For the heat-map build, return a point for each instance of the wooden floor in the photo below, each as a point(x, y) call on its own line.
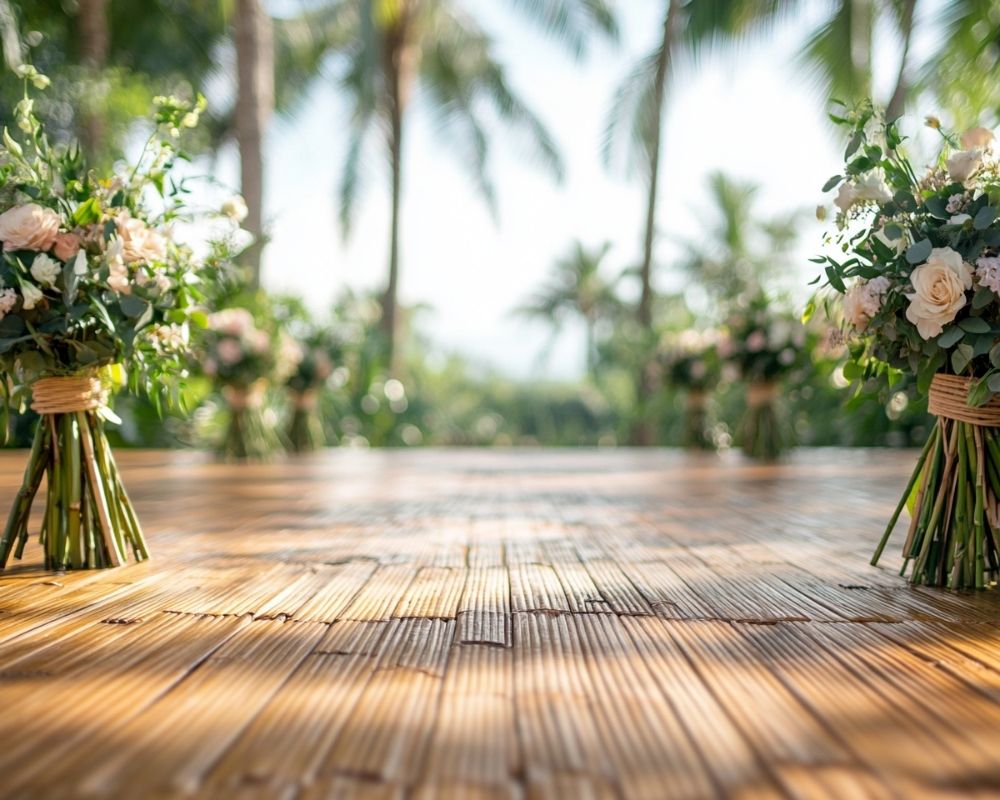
point(470, 624)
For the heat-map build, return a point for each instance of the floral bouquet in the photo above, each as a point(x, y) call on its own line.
point(317, 352)
point(918, 264)
point(93, 292)
point(763, 345)
point(241, 358)
point(690, 362)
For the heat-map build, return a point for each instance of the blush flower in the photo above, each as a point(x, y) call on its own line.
point(939, 288)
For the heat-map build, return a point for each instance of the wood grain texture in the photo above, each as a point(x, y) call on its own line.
point(510, 625)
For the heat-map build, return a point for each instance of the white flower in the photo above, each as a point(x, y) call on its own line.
point(45, 270)
point(959, 219)
point(988, 273)
point(864, 300)
point(29, 227)
point(117, 271)
point(978, 139)
point(872, 187)
point(955, 203)
point(235, 208)
point(170, 338)
point(963, 164)
point(80, 264)
point(8, 299)
point(846, 197)
point(939, 288)
point(32, 295)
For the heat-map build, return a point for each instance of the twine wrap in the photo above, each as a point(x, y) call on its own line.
point(305, 401)
point(949, 398)
point(697, 399)
point(240, 398)
point(761, 393)
point(67, 394)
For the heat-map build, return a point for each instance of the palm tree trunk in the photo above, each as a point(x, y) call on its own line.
point(254, 103)
point(642, 432)
point(390, 312)
point(898, 100)
point(399, 67)
point(92, 16)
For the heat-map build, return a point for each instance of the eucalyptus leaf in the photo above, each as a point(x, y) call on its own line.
point(984, 218)
point(974, 325)
point(918, 252)
point(961, 357)
point(132, 306)
point(982, 298)
point(832, 183)
point(950, 337)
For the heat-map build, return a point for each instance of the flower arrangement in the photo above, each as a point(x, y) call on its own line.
point(94, 292)
point(690, 362)
point(762, 345)
point(917, 264)
point(318, 352)
point(243, 360)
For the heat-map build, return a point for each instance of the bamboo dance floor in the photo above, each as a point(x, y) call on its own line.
point(499, 624)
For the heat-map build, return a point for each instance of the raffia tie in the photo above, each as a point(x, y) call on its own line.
point(241, 398)
point(949, 398)
point(696, 399)
point(67, 394)
point(305, 401)
point(761, 394)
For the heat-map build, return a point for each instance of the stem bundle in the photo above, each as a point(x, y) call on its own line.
point(761, 434)
point(305, 428)
point(954, 535)
point(89, 521)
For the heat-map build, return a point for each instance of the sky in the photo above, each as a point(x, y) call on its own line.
point(748, 113)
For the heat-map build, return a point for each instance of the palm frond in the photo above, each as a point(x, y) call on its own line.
point(304, 43)
point(627, 131)
point(572, 22)
point(838, 53)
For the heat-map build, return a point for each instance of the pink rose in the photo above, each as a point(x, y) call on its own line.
point(67, 246)
point(230, 352)
point(29, 227)
point(140, 243)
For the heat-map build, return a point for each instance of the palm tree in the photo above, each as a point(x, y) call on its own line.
point(635, 124)
point(391, 47)
point(577, 289)
point(738, 253)
point(254, 103)
point(92, 20)
point(964, 74)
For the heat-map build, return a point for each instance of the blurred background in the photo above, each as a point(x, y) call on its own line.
point(523, 222)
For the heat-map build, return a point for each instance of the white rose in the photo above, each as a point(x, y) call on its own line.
point(235, 208)
point(45, 270)
point(872, 187)
point(29, 227)
point(978, 139)
point(32, 295)
point(847, 196)
point(963, 164)
point(939, 288)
